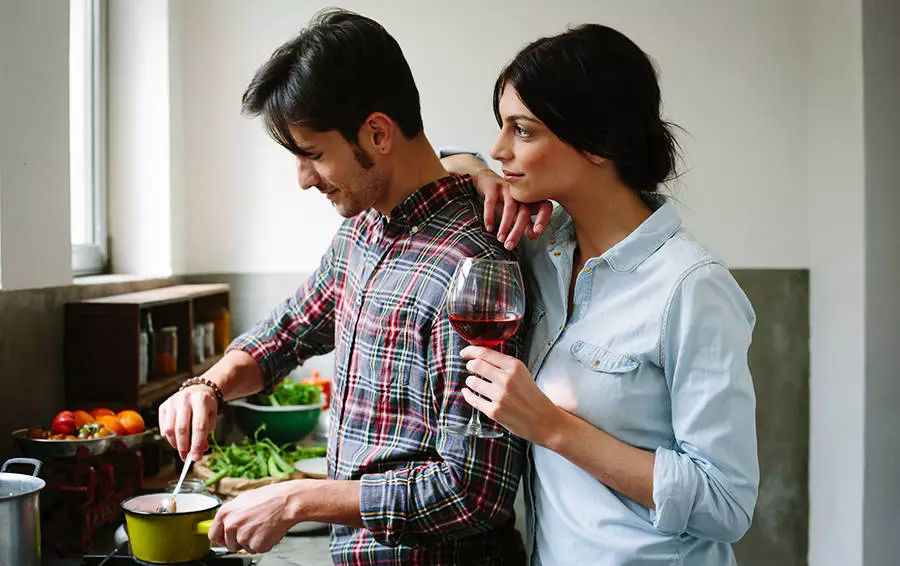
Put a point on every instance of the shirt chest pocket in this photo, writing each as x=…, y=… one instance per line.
x=598, y=359
x=603, y=384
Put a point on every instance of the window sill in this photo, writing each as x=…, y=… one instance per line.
x=109, y=279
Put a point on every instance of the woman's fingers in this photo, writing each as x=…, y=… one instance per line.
x=483, y=387
x=493, y=357
x=510, y=213
x=478, y=403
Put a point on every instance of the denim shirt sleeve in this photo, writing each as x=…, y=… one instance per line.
x=707, y=484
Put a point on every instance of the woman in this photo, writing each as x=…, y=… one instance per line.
x=637, y=397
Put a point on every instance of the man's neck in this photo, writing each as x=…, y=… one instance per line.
x=414, y=166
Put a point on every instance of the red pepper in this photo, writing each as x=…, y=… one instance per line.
x=64, y=423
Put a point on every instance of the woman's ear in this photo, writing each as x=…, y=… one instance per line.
x=377, y=131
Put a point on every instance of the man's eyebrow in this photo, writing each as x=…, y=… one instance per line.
x=306, y=150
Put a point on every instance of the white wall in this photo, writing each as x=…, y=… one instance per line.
x=35, y=249
x=837, y=282
x=733, y=77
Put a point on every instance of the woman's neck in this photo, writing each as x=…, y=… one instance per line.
x=604, y=212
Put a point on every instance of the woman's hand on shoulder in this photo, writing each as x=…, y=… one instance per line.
x=515, y=217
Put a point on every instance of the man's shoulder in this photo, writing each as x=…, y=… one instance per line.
x=458, y=230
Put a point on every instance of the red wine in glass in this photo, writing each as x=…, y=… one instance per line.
x=485, y=304
x=485, y=330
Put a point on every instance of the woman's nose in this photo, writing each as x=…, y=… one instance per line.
x=500, y=150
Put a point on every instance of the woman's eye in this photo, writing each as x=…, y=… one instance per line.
x=520, y=131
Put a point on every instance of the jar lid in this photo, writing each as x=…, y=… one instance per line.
x=169, y=329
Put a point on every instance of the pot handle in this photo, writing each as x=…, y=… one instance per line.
x=24, y=461
x=202, y=528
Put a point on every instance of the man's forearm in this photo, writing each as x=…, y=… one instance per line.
x=237, y=375
x=326, y=501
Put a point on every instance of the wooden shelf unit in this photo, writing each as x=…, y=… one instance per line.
x=103, y=343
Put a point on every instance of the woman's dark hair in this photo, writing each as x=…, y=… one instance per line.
x=332, y=76
x=598, y=92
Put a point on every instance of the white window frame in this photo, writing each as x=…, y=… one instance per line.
x=92, y=257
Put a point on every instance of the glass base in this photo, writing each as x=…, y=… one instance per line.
x=476, y=431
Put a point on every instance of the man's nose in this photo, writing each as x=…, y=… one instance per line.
x=306, y=175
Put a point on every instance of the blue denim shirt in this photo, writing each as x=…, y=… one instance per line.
x=655, y=354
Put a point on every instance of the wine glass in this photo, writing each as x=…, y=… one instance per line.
x=485, y=304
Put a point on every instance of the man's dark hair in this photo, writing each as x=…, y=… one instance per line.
x=339, y=70
x=598, y=92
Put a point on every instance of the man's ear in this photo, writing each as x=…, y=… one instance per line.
x=595, y=159
x=377, y=133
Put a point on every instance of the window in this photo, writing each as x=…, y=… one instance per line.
x=87, y=135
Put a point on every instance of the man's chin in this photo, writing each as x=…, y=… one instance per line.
x=346, y=211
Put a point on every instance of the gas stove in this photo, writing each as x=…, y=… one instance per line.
x=128, y=560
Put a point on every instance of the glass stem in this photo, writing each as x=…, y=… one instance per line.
x=474, y=421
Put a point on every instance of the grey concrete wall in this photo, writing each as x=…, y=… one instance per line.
x=779, y=363
x=881, y=44
x=31, y=377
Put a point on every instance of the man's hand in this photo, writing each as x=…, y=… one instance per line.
x=186, y=419
x=256, y=520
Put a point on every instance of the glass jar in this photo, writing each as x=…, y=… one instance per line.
x=199, y=343
x=223, y=330
x=209, y=339
x=166, y=359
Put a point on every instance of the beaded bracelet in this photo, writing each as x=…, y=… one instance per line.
x=220, y=398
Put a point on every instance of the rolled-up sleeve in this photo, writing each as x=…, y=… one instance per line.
x=707, y=485
x=471, y=487
x=299, y=328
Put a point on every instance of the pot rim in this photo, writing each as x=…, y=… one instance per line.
x=175, y=514
x=22, y=478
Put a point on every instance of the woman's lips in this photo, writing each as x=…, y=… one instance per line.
x=511, y=177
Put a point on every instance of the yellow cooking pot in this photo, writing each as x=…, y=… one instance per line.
x=170, y=538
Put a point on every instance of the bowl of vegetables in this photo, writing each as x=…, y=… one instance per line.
x=289, y=414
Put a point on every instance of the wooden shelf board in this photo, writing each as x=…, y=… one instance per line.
x=164, y=295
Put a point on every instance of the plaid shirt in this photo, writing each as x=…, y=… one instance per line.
x=378, y=299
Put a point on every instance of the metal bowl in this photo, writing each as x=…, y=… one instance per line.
x=44, y=449
x=134, y=440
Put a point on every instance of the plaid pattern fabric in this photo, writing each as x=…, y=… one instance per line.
x=378, y=299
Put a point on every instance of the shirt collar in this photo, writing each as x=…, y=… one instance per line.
x=641, y=243
x=431, y=198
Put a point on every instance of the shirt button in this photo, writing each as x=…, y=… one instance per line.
x=552, y=242
x=414, y=230
x=589, y=269
x=596, y=362
x=358, y=301
x=556, y=254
